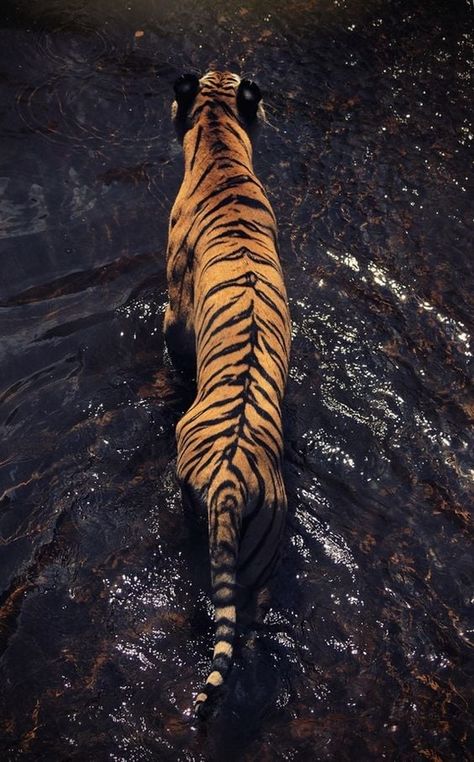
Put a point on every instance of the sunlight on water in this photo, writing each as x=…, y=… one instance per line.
x=334, y=547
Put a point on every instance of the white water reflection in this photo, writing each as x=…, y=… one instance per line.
x=333, y=545
x=454, y=329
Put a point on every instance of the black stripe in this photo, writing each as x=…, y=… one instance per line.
x=232, y=182
x=196, y=146
x=230, y=639
x=254, y=203
x=226, y=621
x=224, y=545
x=220, y=311
x=218, y=146
x=233, y=321
x=225, y=568
x=231, y=161
x=275, y=333
x=219, y=352
x=206, y=172
x=227, y=110
x=238, y=135
x=221, y=663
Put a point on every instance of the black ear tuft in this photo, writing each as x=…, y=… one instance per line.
x=186, y=88
x=248, y=98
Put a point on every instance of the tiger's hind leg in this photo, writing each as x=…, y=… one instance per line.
x=194, y=508
x=179, y=315
x=253, y=615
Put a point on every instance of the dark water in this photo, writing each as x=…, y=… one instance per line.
x=105, y=618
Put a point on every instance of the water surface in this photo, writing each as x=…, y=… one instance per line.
x=105, y=615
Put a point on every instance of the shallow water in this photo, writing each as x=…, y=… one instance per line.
x=105, y=617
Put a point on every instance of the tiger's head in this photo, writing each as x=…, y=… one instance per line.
x=214, y=96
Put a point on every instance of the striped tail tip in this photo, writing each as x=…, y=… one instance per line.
x=221, y=662
x=201, y=704
x=224, y=589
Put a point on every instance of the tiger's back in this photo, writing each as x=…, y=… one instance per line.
x=228, y=312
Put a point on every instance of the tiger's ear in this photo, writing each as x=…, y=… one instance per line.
x=185, y=89
x=248, y=98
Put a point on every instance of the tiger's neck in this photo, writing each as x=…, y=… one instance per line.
x=217, y=146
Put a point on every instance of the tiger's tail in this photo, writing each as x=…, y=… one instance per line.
x=223, y=545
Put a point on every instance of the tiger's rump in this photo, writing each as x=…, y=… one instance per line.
x=236, y=416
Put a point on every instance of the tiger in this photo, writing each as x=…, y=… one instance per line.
x=228, y=319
